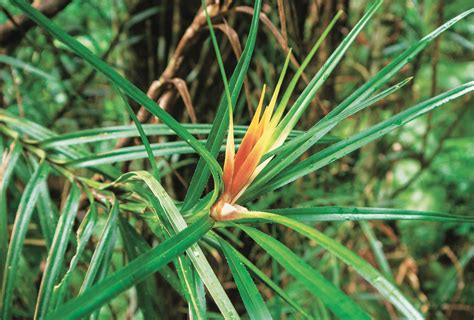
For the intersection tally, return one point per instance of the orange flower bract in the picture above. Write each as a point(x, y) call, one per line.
point(241, 168)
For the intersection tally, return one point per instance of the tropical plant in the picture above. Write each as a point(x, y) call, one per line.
point(265, 156)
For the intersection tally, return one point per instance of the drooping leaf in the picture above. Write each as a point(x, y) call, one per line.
point(339, 303)
point(365, 269)
point(83, 235)
point(141, 246)
point(146, 290)
point(262, 276)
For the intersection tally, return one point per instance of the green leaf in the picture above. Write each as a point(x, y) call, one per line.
point(56, 255)
point(22, 219)
point(9, 159)
point(362, 213)
point(47, 214)
point(187, 276)
point(105, 264)
point(262, 276)
point(133, 240)
point(219, 60)
point(338, 302)
point(320, 132)
point(127, 131)
point(365, 269)
point(83, 235)
point(143, 136)
point(106, 240)
point(219, 126)
point(342, 148)
point(253, 301)
point(146, 290)
point(307, 95)
point(377, 249)
point(129, 153)
point(134, 272)
point(298, 108)
point(38, 133)
point(292, 117)
point(162, 228)
point(130, 89)
point(200, 290)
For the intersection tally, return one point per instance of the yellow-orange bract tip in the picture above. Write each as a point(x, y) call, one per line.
point(252, 134)
point(242, 167)
point(239, 168)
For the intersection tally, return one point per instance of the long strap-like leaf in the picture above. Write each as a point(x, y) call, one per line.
point(56, 255)
point(315, 214)
point(37, 132)
point(253, 301)
point(336, 300)
point(127, 131)
point(83, 235)
point(9, 160)
point(105, 241)
point(262, 276)
point(20, 226)
point(133, 273)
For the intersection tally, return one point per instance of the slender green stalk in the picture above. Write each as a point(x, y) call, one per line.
point(143, 137)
